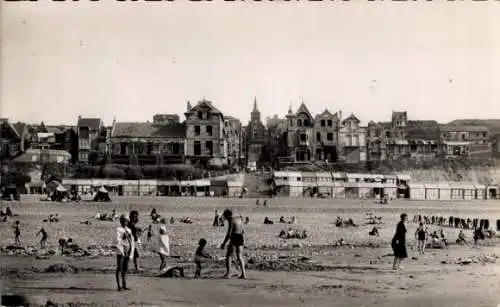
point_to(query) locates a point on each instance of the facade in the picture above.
(352, 140)
(10, 140)
(147, 143)
(300, 135)
(255, 136)
(326, 133)
(232, 133)
(495, 146)
(205, 134)
(276, 137)
(462, 140)
(88, 132)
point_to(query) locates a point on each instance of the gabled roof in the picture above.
(8, 123)
(201, 104)
(54, 129)
(149, 130)
(92, 123)
(422, 130)
(20, 127)
(326, 114)
(303, 109)
(351, 118)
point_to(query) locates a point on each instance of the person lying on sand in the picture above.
(234, 235)
(199, 255)
(267, 221)
(374, 232)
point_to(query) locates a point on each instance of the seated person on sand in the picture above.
(478, 235)
(268, 221)
(374, 232)
(340, 242)
(282, 220)
(443, 237)
(172, 220)
(8, 212)
(461, 237)
(247, 220)
(293, 220)
(187, 220)
(154, 216)
(282, 234)
(114, 216)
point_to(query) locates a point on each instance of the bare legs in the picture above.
(121, 269)
(239, 255)
(163, 263)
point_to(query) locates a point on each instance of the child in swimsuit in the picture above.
(44, 237)
(421, 236)
(200, 253)
(17, 233)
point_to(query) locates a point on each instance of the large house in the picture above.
(205, 141)
(465, 140)
(10, 140)
(154, 143)
(88, 131)
(352, 140)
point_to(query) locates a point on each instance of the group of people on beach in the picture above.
(128, 237)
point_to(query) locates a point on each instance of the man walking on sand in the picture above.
(234, 235)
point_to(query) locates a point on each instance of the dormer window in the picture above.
(200, 115)
(299, 122)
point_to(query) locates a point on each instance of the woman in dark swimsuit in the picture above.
(399, 243)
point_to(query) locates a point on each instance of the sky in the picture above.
(130, 60)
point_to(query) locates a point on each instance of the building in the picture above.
(352, 141)
(299, 136)
(276, 142)
(255, 136)
(88, 132)
(465, 140)
(154, 143)
(326, 133)
(205, 142)
(10, 140)
(232, 133)
(166, 118)
(495, 146)
(402, 138)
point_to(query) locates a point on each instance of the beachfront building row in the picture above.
(374, 186)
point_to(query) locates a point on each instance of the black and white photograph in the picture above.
(250, 153)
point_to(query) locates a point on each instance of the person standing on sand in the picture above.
(164, 243)
(420, 235)
(398, 243)
(17, 233)
(125, 245)
(44, 237)
(234, 235)
(132, 225)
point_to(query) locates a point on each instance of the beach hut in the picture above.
(234, 188)
(444, 189)
(324, 183)
(390, 190)
(309, 183)
(338, 189)
(295, 184)
(339, 177)
(169, 187)
(417, 191)
(431, 191)
(102, 195)
(492, 192)
(480, 191)
(456, 191)
(351, 190)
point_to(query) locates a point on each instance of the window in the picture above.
(290, 122)
(307, 123)
(356, 140)
(200, 115)
(303, 137)
(388, 134)
(318, 136)
(329, 136)
(196, 130)
(209, 145)
(329, 123)
(123, 148)
(225, 124)
(209, 130)
(322, 123)
(197, 148)
(299, 122)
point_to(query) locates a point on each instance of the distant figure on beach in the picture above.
(17, 233)
(216, 219)
(125, 245)
(44, 237)
(164, 243)
(199, 255)
(420, 235)
(234, 235)
(132, 225)
(398, 243)
(150, 232)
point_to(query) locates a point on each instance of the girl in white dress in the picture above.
(164, 244)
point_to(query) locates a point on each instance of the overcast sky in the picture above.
(437, 60)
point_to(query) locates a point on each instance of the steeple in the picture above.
(255, 115)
